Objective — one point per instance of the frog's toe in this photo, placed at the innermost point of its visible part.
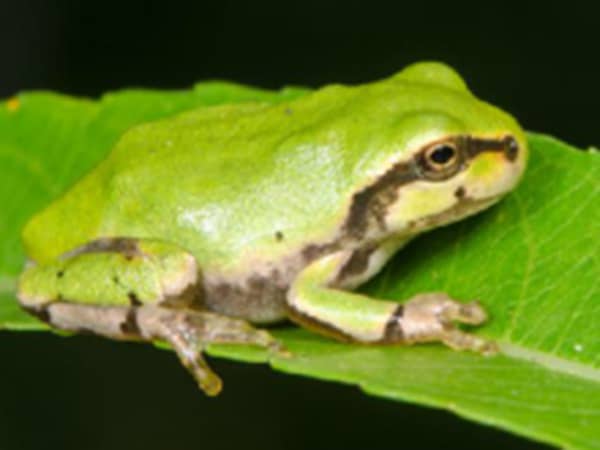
(261, 338)
(207, 380)
(448, 309)
(471, 313)
(459, 340)
(226, 330)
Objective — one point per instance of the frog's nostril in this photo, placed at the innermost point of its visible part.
(511, 148)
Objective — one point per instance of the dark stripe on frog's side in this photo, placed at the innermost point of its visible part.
(313, 252)
(369, 205)
(127, 246)
(357, 264)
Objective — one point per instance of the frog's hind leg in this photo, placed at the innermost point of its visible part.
(130, 289)
(186, 331)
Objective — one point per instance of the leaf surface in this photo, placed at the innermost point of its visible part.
(533, 261)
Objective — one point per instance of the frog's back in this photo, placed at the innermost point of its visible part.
(218, 181)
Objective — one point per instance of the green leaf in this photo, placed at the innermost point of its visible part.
(532, 261)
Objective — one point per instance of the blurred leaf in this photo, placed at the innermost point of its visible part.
(532, 260)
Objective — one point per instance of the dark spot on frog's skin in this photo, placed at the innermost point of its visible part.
(289, 111)
(59, 297)
(133, 299)
(460, 192)
(130, 325)
(278, 236)
(393, 329)
(60, 274)
(357, 264)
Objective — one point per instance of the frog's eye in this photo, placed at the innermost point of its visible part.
(442, 155)
(440, 160)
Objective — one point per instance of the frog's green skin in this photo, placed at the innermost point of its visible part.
(263, 212)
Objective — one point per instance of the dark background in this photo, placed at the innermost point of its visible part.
(539, 60)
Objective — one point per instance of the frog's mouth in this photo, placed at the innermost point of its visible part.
(464, 207)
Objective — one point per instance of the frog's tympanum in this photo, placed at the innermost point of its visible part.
(196, 226)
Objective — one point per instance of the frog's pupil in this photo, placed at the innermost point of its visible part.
(442, 154)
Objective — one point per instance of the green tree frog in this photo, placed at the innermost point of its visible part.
(197, 227)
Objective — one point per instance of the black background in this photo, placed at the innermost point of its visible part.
(539, 60)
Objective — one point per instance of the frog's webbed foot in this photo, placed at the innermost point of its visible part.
(432, 316)
(189, 332)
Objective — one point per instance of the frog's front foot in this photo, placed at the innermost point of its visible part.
(189, 332)
(433, 316)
